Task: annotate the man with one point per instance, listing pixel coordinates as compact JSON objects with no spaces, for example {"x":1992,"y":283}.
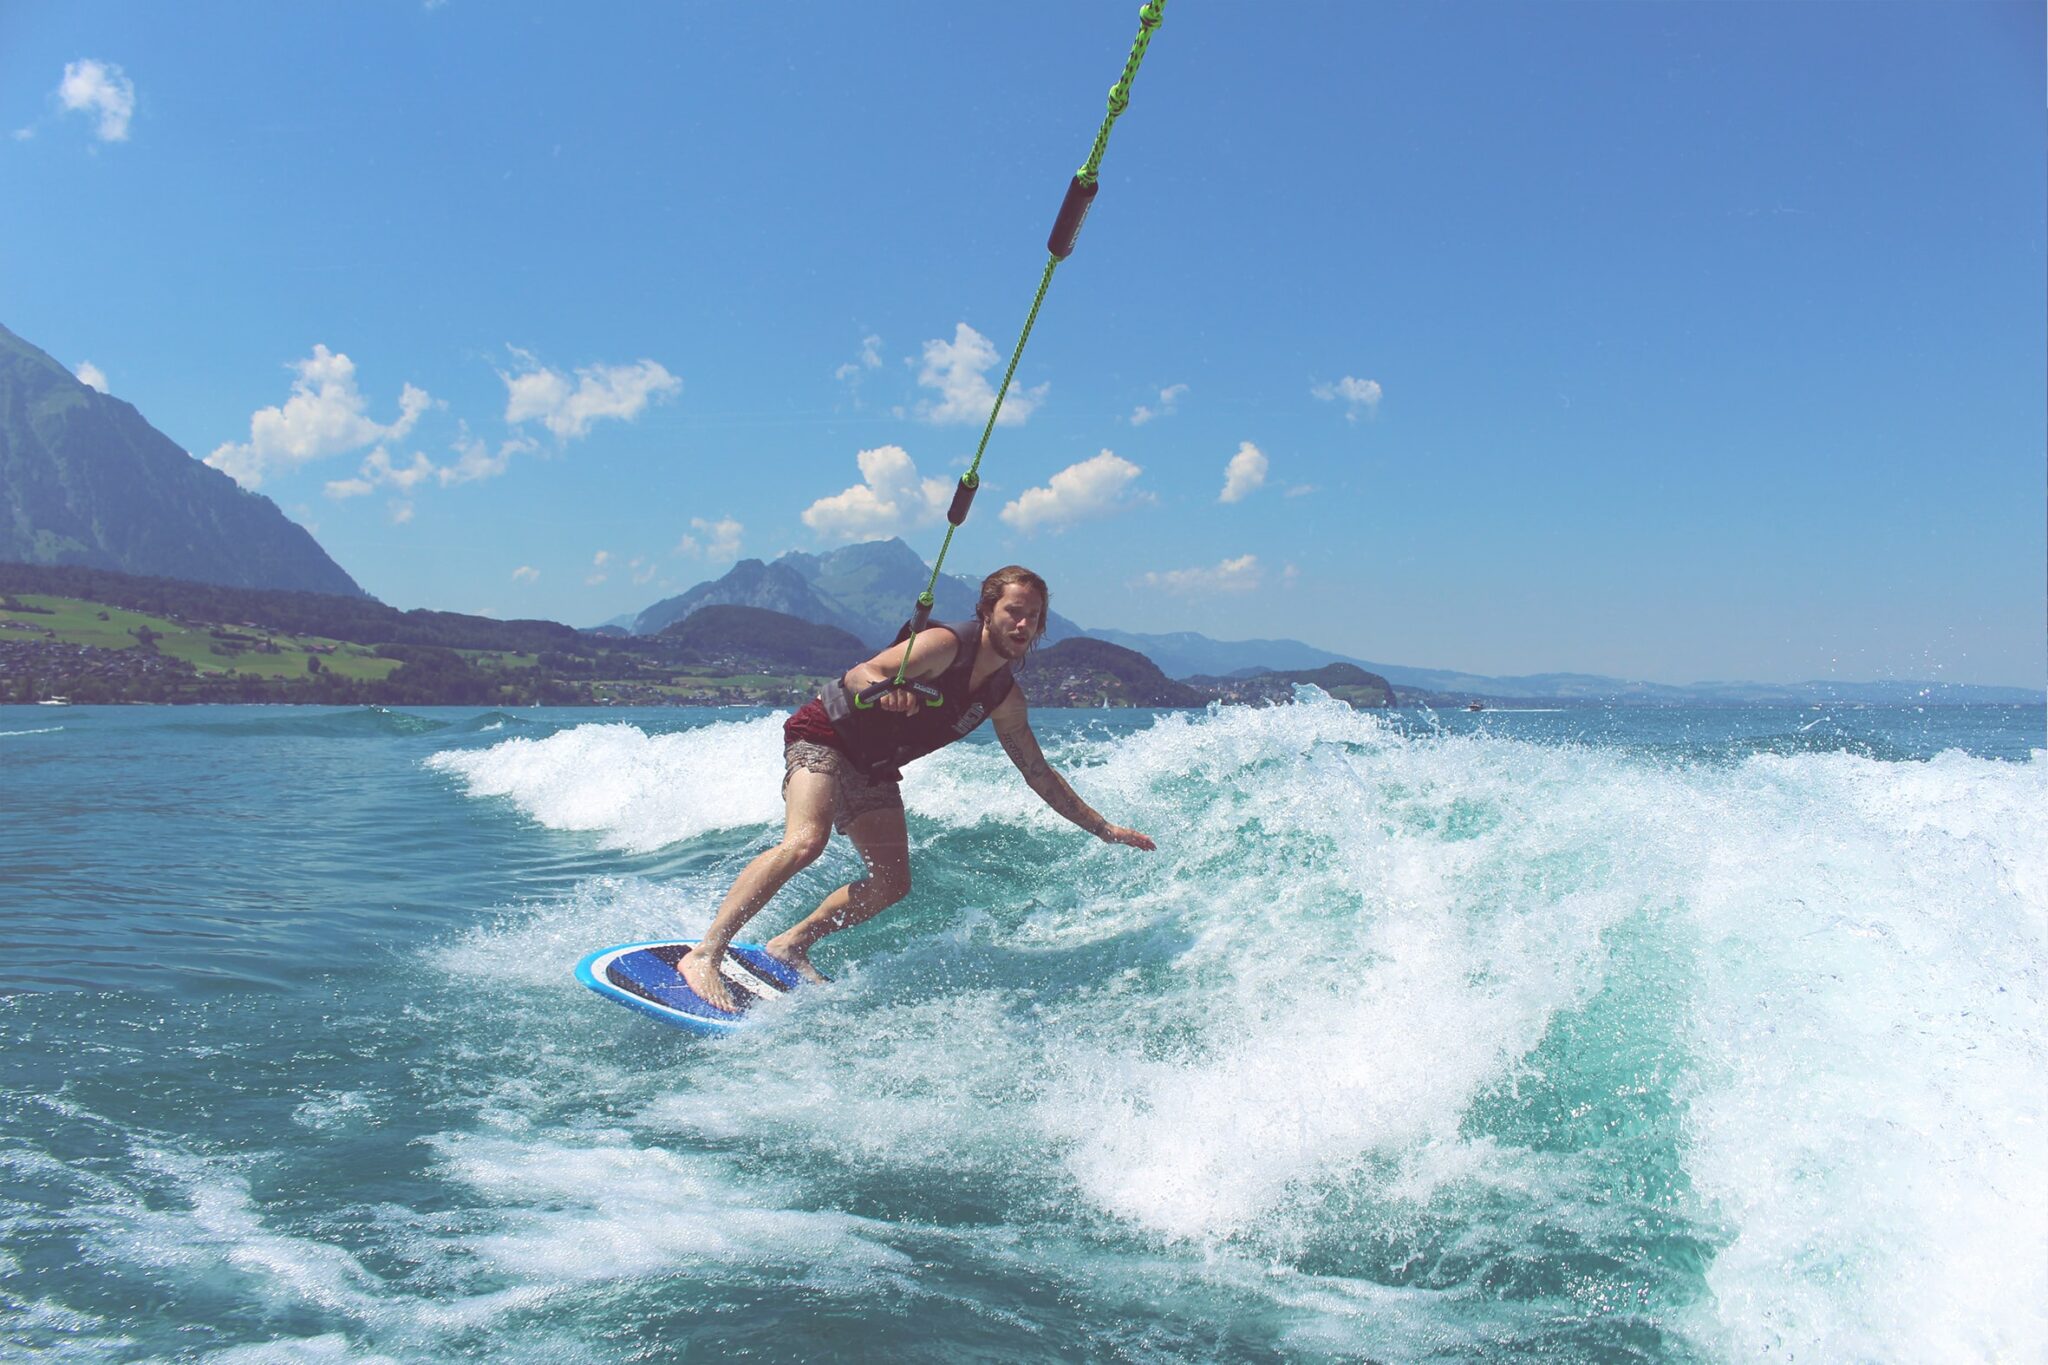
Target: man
{"x":840,"y":756}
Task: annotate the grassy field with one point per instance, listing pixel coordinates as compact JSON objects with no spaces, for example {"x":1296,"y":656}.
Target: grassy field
{"x":742,"y":688}
{"x":228,"y":655}
{"x":497,"y":658}
{"x":248,"y":650}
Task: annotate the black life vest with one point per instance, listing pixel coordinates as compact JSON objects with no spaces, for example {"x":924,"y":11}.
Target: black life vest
{"x":879,"y":743}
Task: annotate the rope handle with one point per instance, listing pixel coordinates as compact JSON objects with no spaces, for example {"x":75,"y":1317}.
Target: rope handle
{"x":866,"y":698}
{"x":1066,"y":229}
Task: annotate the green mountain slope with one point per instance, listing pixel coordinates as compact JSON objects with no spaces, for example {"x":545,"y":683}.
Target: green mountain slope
{"x":85,"y":480}
{"x":751,"y":639}
{"x":1085,"y":672}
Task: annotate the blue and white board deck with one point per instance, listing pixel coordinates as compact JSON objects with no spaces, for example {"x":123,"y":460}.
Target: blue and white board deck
{"x":643,"y":976}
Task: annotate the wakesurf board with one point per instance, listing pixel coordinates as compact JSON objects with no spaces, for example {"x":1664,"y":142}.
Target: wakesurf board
{"x":643,"y":976}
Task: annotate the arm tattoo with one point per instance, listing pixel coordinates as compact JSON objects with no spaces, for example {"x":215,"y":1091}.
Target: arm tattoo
{"x":1050,"y":786}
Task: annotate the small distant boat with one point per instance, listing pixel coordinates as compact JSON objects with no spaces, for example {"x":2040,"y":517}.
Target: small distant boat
{"x":1475,"y":706}
{"x":54,"y":701}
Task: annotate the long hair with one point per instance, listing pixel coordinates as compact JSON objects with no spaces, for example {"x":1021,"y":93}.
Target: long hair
{"x":1013,"y":575}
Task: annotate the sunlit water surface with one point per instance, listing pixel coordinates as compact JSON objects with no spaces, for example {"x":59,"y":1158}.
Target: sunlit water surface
{"x":1582,"y":1035}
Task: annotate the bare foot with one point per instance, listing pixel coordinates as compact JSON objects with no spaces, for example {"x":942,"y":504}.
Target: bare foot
{"x":699,"y":971}
{"x":795,"y":958}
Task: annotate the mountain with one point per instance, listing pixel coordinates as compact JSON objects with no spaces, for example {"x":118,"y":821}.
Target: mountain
{"x":750,"y":583}
{"x":1184,"y":654}
{"x":1085,"y":672}
{"x":326,"y":615}
{"x":869,"y":589}
{"x":85,"y":480}
{"x":753,"y":640}
{"x":877,"y":584}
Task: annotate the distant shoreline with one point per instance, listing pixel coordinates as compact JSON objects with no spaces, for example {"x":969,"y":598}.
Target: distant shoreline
{"x":98,"y":637}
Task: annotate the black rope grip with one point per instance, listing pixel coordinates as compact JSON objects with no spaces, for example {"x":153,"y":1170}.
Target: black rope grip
{"x":1073,"y":210}
{"x":963,"y":498}
{"x":874,"y":692}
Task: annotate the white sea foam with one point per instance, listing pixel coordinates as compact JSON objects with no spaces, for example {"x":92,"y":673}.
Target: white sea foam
{"x":604,"y":1207}
{"x":46,"y":730}
{"x":328,"y":1346}
{"x":1350,"y":941}
{"x":1873,"y":1037}
{"x":1370,"y":966}
{"x":635,"y":790}
{"x":524,"y":951}
{"x":568,"y":1210}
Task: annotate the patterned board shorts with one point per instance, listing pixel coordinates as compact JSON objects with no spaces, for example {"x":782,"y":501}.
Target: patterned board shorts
{"x":854,"y":793}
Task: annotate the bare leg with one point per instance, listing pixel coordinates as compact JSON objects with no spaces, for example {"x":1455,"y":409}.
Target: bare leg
{"x":805,"y":831}
{"x":884,"y":845}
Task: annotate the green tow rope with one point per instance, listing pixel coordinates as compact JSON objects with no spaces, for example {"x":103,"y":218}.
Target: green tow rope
{"x":1066,"y":229}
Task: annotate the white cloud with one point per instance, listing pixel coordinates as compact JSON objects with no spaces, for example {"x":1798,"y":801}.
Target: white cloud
{"x":890,"y":499}
{"x":870,"y":359}
{"x":1245,"y":474}
{"x":1169,"y":403}
{"x":325,"y":416}
{"x":1358,"y":395}
{"x":600,"y":559}
{"x":379,"y":472}
{"x":100,"y":88}
{"x":1232,"y":575}
{"x":958,"y":370}
{"x":1300,"y":490}
{"x":1092,"y":488}
{"x":526,"y":573}
{"x":714,"y":540}
{"x":642,"y":570}
{"x":476,"y":460}
{"x":535,"y":392}
{"x":92,"y":376}
{"x":401,"y":511}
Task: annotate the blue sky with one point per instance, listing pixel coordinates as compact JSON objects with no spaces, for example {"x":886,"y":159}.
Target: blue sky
{"x":1668,"y":341}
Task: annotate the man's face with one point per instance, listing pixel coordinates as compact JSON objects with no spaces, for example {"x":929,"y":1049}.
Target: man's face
{"x":1018,"y":617}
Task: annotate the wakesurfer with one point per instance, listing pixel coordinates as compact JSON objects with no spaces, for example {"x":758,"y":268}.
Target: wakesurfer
{"x":842,"y":761}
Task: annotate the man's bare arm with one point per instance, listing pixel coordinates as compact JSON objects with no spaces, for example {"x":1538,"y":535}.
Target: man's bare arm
{"x":1014,"y":731}
{"x":929,"y":657}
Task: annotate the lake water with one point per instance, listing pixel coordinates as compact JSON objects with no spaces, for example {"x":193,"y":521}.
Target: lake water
{"x":1581,"y":1035}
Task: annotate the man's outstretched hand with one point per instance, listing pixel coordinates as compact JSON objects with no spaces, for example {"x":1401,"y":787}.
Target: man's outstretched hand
{"x":1117,"y":834}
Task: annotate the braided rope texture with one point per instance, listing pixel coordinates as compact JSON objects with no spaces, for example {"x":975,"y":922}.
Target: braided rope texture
{"x":1149,"y":17}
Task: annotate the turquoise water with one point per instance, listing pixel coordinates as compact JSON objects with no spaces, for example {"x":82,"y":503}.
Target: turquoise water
{"x":1708,"y":1035}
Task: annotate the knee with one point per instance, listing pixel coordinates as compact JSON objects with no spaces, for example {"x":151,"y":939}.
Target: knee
{"x":889,"y":885}
{"x":801,"y":848}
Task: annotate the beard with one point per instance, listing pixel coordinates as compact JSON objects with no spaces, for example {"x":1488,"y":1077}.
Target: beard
{"x":1010,"y":650}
